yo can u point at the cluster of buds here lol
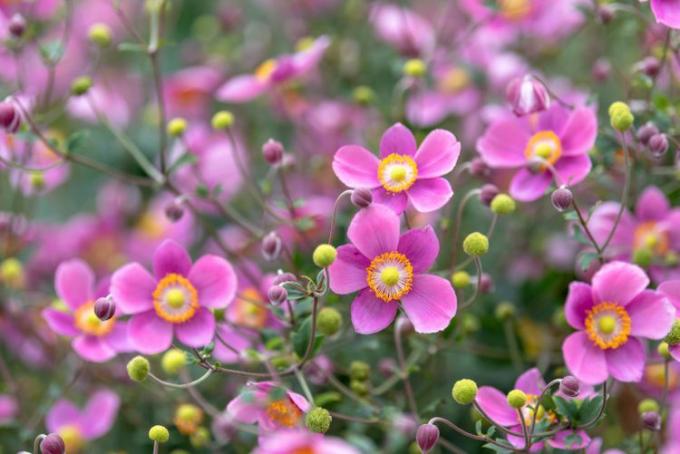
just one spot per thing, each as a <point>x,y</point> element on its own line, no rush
<point>656,141</point>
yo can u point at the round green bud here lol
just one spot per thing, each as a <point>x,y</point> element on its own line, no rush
<point>503,204</point>
<point>138,368</point>
<point>517,398</point>
<point>12,272</point>
<point>328,321</point>
<point>470,323</point>
<point>324,255</point>
<point>505,310</point>
<point>222,120</point>
<point>100,34</point>
<point>318,420</point>
<point>415,67</point>
<point>159,434</point>
<point>647,405</point>
<point>200,438</point>
<point>643,257</point>
<point>671,259</point>
<point>460,279</point>
<point>173,361</point>
<point>622,120</point>
<point>363,95</point>
<point>359,370</point>
<point>37,179</point>
<point>359,387</point>
<point>176,127</point>
<point>664,350</point>
<point>476,244</point>
<point>81,85</point>
<point>673,336</point>
<point>464,391</point>
<point>617,107</point>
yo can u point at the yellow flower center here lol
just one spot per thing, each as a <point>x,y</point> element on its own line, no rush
<point>265,69</point>
<point>648,236</point>
<point>88,322</point>
<point>284,413</point>
<point>390,276</point>
<point>251,310</point>
<point>544,146</point>
<point>188,419</point>
<point>175,299</point>
<point>655,375</point>
<point>73,439</point>
<point>515,9</point>
<point>150,226</point>
<point>531,407</point>
<point>397,172</point>
<point>304,450</point>
<point>454,81</point>
<point>608,325</point>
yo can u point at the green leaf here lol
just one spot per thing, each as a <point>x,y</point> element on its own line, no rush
<point>185,159</point>
<point>301,338</point>
<point>589,409</point>
<point>51,52</point>
<point>566,408</point>
<point>586,259</point>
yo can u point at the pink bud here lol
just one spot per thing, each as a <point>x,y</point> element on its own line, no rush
<point>52,444</point>
<point>658,145</point>
<point>570,386</point>
<point>174,210</point>
<point>284,277</point>
<point>272,151</point>
<point>10,119</point>
<point>487,193</point>
<point>104,308</point>
<point>479,168</point>
<point>562,198</point>
<point>601,69</point>
<point>527,95</point>
<point>646,131</point>
<point>427,436</point>
<point>271,246</point>
<point>17,25</point>
<point>361,198</point>
<point>277,294</point>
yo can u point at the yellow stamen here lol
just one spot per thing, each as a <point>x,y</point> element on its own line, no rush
<point>515,9</point>
<point>648,235</point>
<point>390,276</point>
<point>265,69</point>
<point>250,310</point>
<point>88,322</point>
<point>546,146</point>
<point>73,439</point>
<point>608,325</point>
<point>284,412</point>
<point>175,299</point>
<point>397,172</point>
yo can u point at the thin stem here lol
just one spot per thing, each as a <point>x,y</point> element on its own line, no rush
<point>198,381</point>
<point>625,194</point>
<point>304,385</point>
<point>337,384</point>
<point>584,225</point>
<point>358,419</point>
<point>335,213</point>
<point>410,397</point>
<point>464,432</point>
<point>557,381</point>
<point>36,443</point>
<point>155,447</point>
<point>525,430</point>
<point>511,339</point>
<point>459,219</point>
<point>473,297</point>
<point>152,52</point>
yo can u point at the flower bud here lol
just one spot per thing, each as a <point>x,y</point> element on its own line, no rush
<point>427,436</point>
<point>517,398</point>
<point>222,120</point>
<point>52,444</point>
<point>460,279</point>
<point>488,193</point>
<point>361,198</point>
<point>650,66</point>
<point>562,198</point>
<point>324,255</point>
<point>271,246</point>
<point>464,391</point>
<point>105,308</point>
<point>138,368</point>
<point>359,370</point>
<point>159,434</point>
<point>503,204</point>
<point>17,25</point>
<point>601,69</point>
<point>100,34</point>
<point>173,361</point>
<point>664,351</point>
<point>200,438</point>
<point>479,168</point>
<point>272,151</point>
<point>277,294</point>
<point>476,244</point>
<point>12,272</point>
<point>646,131</point>
<point>174,210</point>
<point>486,283</point>
<point>329,321</point>
<point>176,127</point>
<point>363,95</point>
<point>318,420</point>
<point>570,386</point>
<point>504,311</point>
<point>81,85</point>
<point>605,13</point>
<point>620,116</point>
<point>673,337</point>
<point>652,421</point>
<point>415,67</point>
<point>10,118</point>
<point>527,95</point>
<point>658,145</point>
<point>404,325</point>
<point>617,107</point>
<point>648,405</point>
<point>284,277</point>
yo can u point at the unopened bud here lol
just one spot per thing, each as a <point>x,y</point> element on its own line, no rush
<point>650,66</point>
<point>52,444</point>
<point>81,85</point>
<point>361,198</point>
<point>277,294</point>
<point>570,386</point>
<point>652,421</point>
<point>646,131</point>
<point>601,69</point>
<point>272,151</point>
<point>562,198</point>
<point>479,168</point>
<point>174,210</point>
<point>658,145</point>
<point>486,283</point>
<point>427,436</point>
<point>284,277</point>
<point>104,308</point>
<point>10,119</point>
<point>605,13</point>
<point>527,95</point>
<point>488,193</point>
<point>271,246</point>
<point>17,25</point>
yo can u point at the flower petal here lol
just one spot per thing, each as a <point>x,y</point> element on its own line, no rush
<point>241,88</point>
<point>396,201</point>
<point>503,143</point>
<point>437,154</point>
<point>531,382</point>
<point>579,301</point>
<point>149,334</point>
<point>495,404</point>
<point>397,139</point>
<point>100,413</point>
<point>229,343</point>
<point>652,205</point>
<point>431,303</point>
<point>63,413</point>
<point>214,280</point>
<point>430,194</point>
<point>527,186</point>
<point>370,314</point>
<point>421,247</point>
<point>651,315</point>
<point>199,330</point>
<point>356,167</point>
<point>347,274</point>
<point>132,288</point>
<point>619,282</point>
<point>667,12</point>
<point>374,230</point>
<point>60,322</point>
<point>584,360</point>
<point>671,289</point>
<point>92,348</point>
<point>573,169</point>
<point>571,440</point>
<point>169,258</point>
<point>578,135</point>
<point>627,363</point>
<point>74,283</point>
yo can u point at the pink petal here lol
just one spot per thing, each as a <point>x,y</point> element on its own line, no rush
<point>627,363</point>
<point>397,139</point>
<point>63,413</point>
<point>307,59</point>
<point>348,273</point>
<point>92,348</point>
<point>503,143</point>
<point>356,167</point>
<point>235,343</point>
<point>602,221</point>
<point>370,314</point>
<point>578,135</point>
<point>170,258</point>
<point>527,186</point>
<point>244,408</point>
<point>572,169</point>
<point>74,282</point>
<point>431,303</point>
<point>421,246</point>
<point>651,314</point>
<point>619,282</point>
<point>117,339</point>
<point>396,201</point>
<point>299,401</point>
<point>671,289</point>
<point>214,280</point>
<point>241,89</point>
<point>559,441</point>
<point>584,359</point>
<point>579,302</point>
<point>495,404</point>
<point>531,382</point>
<point>60,322</point>
<point>100,414</point>
<point>652,205</point>
<point>667,12</point>
<point>132,288</point>
<point>437,154</point>
<point>430,194</point>
<point>149,334</point>
<point>198,331</point>
<point>374,230</point>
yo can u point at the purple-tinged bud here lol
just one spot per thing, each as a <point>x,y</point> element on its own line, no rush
<point>601,69</point>
<point>570,386</point>
<point>284,277</point>
<point>479,168</point>
<point>605,13</point>
<point>651,420</point>
<point>223,428</point>
<point>488,193</point>
<point>651,66</point>
<point>174,210</point>
<point>404,325</point>
<point>17,25</point>
<point>658,145</point>
<point>646,131</point>
<point>105,308</point>
<point>277,294</point>
<point>562,198</point>
<point>271,246</point>
<point>427,436</point>
<point>527,95</point>
<point>10,119</point>
<point>486,284</point>
<point>272,151</point>
<point>52,444</point>
<point>387,367</point>
<point>361,198</point>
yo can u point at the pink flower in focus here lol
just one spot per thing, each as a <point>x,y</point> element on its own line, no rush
<point>296,441</point>
<point>667,12</point>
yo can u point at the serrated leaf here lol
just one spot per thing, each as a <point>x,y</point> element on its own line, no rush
<point>566,408</point>
<point>589,409</point>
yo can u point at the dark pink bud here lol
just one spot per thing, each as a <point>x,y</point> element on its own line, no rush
<point>361,198</point>
<point>17,25</point>
<point>658,145</point>
<point>10,119</point>
<point>650,66</point>
<point>601,69</point>
<point>272,151</point>
<point>646,131</point>
<point>562,198</point>
<point>174,210</point>
<point>277,294</point>
<point>605,13</point>
<point>104,308</point>
<point>487,193</point>
<point>486,284</point>
<point>651,420</point>
<point>527,95</point>
<point>52,444</point>
<point>284,277</point>
<point>404,325</point>
<point>271,246</point>
<point>427,436</point>
<point>479,168</point>
<point>570,386</point>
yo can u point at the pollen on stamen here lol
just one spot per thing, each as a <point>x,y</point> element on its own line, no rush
<point>390,276</point>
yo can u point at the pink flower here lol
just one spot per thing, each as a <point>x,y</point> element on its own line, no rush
<point>93,339</point>
<point>671,290</point>
<point>297,441</point>
<point>269,405</point>
<point>611,316</point>
<point>557,138</point>
<point>9,409</point>
<point>388,270</point>
<point>76,427</point>
<point>187,92</point>
<point>404,172</point>
<point>273,72</point>
<point>495,404</point>
<point>667,12</point>
<point>408,32</point>
<point>176,300</point>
